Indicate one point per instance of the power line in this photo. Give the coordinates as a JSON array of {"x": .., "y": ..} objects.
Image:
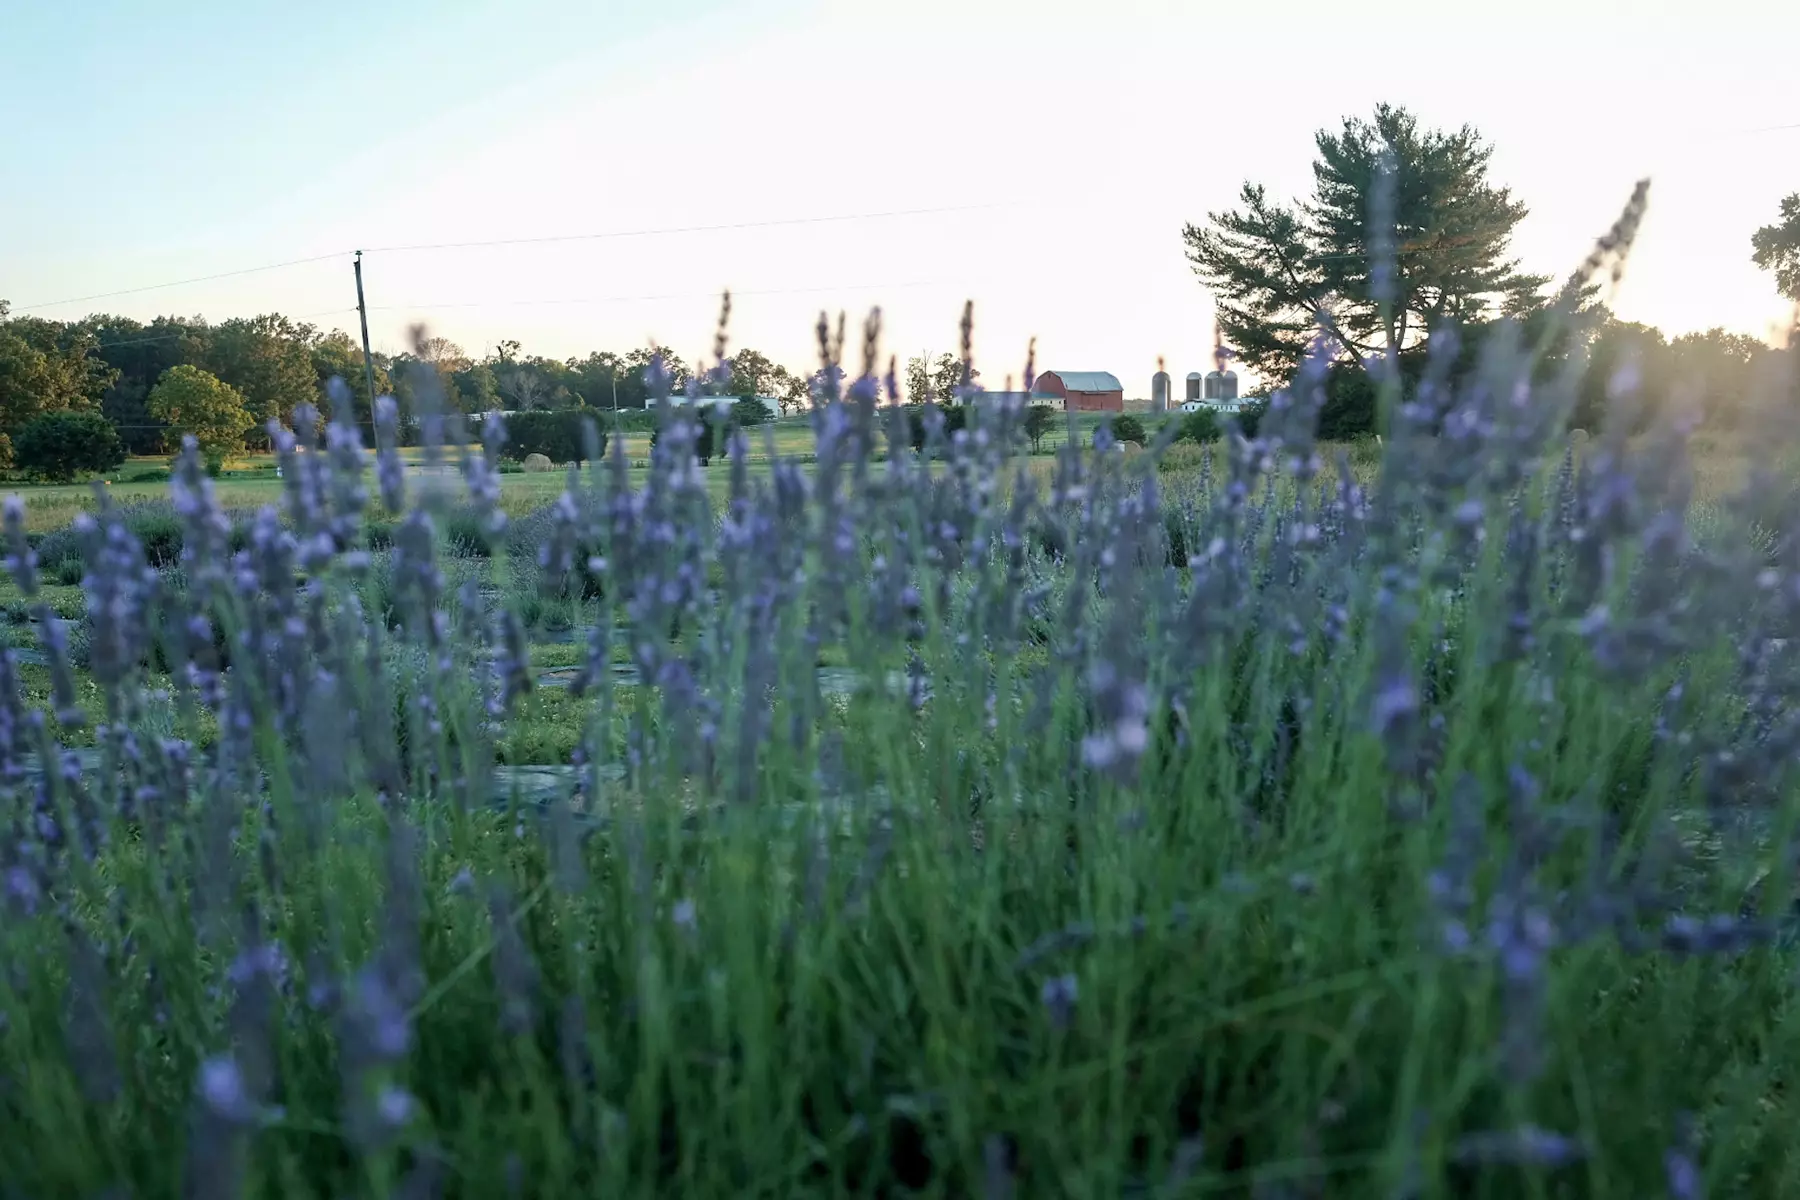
[
  {"x": 571, "y": 237},
  {"x": 666, "y": 230},
  {"x": 152, "y": 287},
  {"x": 839, "y": 287}
]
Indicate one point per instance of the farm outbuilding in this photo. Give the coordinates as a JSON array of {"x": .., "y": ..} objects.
[{"x": 1083, "y": 391}]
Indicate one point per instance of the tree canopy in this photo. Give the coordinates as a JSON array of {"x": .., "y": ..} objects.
[
  {"x": 58, "y": 446},
  {"x": 1281, "y": 273},
  {"x": 192, "y": 401},
  {"x": 1777, "y": 248}
]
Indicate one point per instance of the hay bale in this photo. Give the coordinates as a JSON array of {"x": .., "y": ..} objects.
[{"x": 537, "y": 464}]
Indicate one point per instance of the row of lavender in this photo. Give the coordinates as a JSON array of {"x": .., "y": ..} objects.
[{"x": 1271, "y": 827}]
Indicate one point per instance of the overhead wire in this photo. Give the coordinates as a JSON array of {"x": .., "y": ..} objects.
[{"x": 664, "y": 231}]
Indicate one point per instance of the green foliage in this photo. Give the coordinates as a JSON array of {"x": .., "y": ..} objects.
[
  {"x": 139, "y": 355},
  {"x": 268, "y": 361},
  {"x": 1040, "y": 419},
  {"x": 955, "y": 417},
  {"x": 747, "y": 411},
  {"x": 338, "y": 356},
  {"x": 1620, "y": 353},
  {"x": 1720, "y": 371},
  {"x": 1777, "y": 248},
  {"x": 558, "y": 434},
  {"x": 61, "y": 445},
  {"x": 704, "y": 441},
  {"x": 1200, "y": 426},
  {"x": 1249, "y": 417},
  {"x": 1130, "y": 429},
  {"x": 191, "y": 401},
  {"x": 936, "y": 380},
  {"x": 1351, "y": 403},
  {"x": 46, "y": 366},
  {"x": 1273, "y": 267}
]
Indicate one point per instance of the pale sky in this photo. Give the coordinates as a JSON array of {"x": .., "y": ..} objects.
[{"x": 147, "y": 143}]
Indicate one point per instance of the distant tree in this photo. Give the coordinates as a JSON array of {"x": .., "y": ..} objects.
[
  {"x": 593, "y": 380},
  {"x": 1351, "y": 401},
  {"x": 473, "y": 389},
  {"x": 747, "y": 410},
  {"x": 1623, "y": 358},
  {"x": 1200, "y": 426},
  {"x": 919, "y": 389},
  {"x": 560, "y": 435},
  {"x": 1777, "y": 248},
  {"x": 1276, "y": 271},
  {"x": 955, "y": 418},
  {"x": 637, "y": 364},
  {"x": 821, "y": 384},
  {"x": 45, "y": 366},
  {"x": 790, "y": 390},
  {"x": 1718, "y": 371},
  {"x": 706, "y": 433},
  {"x": 337, "y": 355},
  {"x": 1040, "y": 419},
  {"x": 140, "y": 355},
  {"x": 752, "y": 374},
  {"x": 268, "y": 361},
  {"x": 947, "y": 376},
  {"x": 1130, "y": 429},
  {"x": 523, "y": 387},
  {"x": 61, "y": 445},
  {"x": 190, "y": 400}
]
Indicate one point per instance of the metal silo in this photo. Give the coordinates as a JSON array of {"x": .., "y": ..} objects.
[
  {"x": 1215, "y": 385},
  {"x": 1228, "y": 385},
  {"x": 1193, "y": 385},
  {"x": 1159, "y": 392}
]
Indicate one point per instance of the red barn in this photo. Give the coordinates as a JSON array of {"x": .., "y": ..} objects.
[{"x": 1083, "y": 391}]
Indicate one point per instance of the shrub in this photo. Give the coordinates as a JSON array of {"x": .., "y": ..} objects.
[
  {"x": 1130, "y": 429},
  {"x": 704, "y": 439},
  {"x": 1249, "y": 418},
  {"x": 1350, "y": 404},
  {"x": 747, "y": 411},
  {"x": 557, "y": 434},
  {"x": 1200, "y": 426},
  {"x": 1182, "y": 457},
  {"x": 955, "y": 417},
  {"x": 62, "y": 445}
]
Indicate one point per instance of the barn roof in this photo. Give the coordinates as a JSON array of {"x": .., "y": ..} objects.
[{"x": 1088, "y": 381}]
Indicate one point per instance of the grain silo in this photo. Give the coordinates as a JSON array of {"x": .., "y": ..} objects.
[
  {"x": 1221, "y": 385},
  {"x": 1159, "y": 392},
  {"x": 1193, "y": 386}
]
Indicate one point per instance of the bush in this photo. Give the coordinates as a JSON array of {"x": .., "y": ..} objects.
[
  {"x": 704, "y": 448},
  {"x": 62, "y": 445},
  {"x": 557, "y": 434},
  {"x": 1351, "y": 398},
  {"x": 1200, "y": 427},
  {"x": 1130, "y": 429},
  {"x": 956, "y": 417},
  {"x": 1249, "y": 417},
  {"x": 748, "y": 411}
]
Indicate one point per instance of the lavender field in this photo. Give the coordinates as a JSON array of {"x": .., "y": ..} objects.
[{"x": 1274, "y": 826}]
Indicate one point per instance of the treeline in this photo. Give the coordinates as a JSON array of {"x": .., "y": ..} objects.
[
  {"x": 1714, "y": 375},
  {"x": 111, "y": 365}
]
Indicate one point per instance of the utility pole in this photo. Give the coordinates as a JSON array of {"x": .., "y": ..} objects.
[{"x": 362, "y": 310}]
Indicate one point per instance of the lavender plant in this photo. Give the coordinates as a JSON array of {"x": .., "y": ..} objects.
[{"x": 1270, "y": 828}]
